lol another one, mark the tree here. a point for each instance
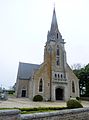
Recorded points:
(77, 66)
(83, 76)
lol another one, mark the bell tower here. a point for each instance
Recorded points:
(54, 49)
(55, 55)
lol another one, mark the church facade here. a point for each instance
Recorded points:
(53, 79)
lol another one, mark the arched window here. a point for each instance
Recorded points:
(40, 85)
(61, 76)
(73, 87)
(58, 76)
(55, 75)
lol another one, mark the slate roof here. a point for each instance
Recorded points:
(26, 70)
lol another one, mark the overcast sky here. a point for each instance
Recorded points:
(23, 32)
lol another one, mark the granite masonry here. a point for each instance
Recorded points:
(10, 115)
(71, 114)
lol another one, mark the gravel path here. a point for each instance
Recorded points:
(25, 102)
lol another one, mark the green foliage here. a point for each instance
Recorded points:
(74, 104)
(40, 109)
(83, 76)
(11, 92)
(77, 98)
(35, 110)
(37, 98)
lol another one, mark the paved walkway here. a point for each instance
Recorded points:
(25, 102)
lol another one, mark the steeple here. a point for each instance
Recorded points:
(54, 25)
(54, 34)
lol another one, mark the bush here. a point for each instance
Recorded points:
(77, 98)
(74, 104)
(37, 98)
(11, 92)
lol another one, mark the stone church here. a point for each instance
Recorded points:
(53, 79)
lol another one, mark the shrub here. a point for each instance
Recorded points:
(74, 104)
(37, 98)
(11, 92)
(77, 98)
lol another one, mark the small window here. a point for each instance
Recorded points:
(58, 76)
(40, 85)
(73, 87)
(55, 75)
(61, 76)
(57, 35)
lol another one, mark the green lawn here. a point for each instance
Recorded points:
(36, 110)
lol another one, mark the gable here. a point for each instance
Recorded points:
(71, 73)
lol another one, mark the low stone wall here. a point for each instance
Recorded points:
(85, 98)
(10, 115)
(72, 114)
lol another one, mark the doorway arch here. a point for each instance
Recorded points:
(59, 92)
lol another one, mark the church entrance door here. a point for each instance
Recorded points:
(23, 93)
(59, 94)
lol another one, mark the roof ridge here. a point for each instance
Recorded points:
(28, 63)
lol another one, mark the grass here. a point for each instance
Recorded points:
(36, 110)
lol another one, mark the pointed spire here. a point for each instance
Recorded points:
(54, 25)
(54, 34)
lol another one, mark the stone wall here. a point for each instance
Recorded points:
(22, 85)
(10, 115)
(85, 98)
(72, 114)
